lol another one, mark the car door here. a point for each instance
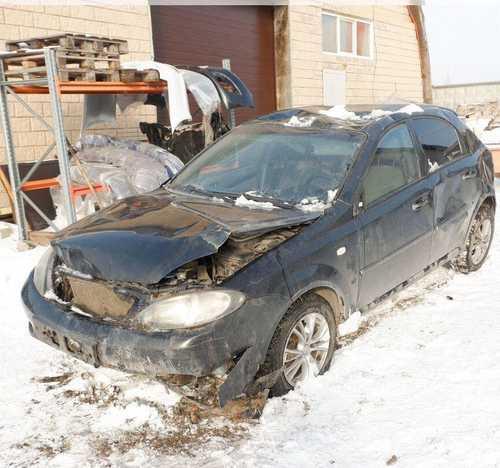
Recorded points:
(396, 217)
(458, 183)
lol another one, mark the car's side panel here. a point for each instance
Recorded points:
(456, 196)
(456, 192)
(325, 254)
(397, 237)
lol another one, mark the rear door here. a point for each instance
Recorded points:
(455, 169)
(397, 216)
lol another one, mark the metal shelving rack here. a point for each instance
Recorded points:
(10, 88)
(55, 88)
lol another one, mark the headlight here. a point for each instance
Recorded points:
(43, 272)
(190, 309)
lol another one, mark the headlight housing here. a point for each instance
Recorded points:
(190, 309)
(42, 277)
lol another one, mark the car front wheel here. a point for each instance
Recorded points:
(303, 343)
(478, 242)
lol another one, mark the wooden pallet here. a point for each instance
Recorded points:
(66, 57)
(82, 42)
(79, 58)
(133, 76)
(85, 74)
(65, 74)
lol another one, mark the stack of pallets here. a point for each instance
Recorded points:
(79, 58)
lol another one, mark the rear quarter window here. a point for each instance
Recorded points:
(439, 141)
(472, 140)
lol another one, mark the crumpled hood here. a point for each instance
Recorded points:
(142, 239)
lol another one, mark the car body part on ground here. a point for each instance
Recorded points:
(254, 219)
(123, 167)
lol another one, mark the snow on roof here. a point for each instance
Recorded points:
(340, 112)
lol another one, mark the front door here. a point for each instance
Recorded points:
(396, 220)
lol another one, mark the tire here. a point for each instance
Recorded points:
(302, 310)
(478, 241)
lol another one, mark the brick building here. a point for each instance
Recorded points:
(288, 56)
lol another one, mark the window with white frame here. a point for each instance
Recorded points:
(346, 36)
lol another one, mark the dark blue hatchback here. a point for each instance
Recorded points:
(241, 268)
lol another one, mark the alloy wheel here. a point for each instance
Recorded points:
(306, 348)
(480, 240)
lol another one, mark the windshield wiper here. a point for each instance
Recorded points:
(194, 189)
(190, 188)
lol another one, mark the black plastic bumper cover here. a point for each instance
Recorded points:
(193, 352)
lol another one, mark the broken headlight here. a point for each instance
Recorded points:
(190, 309)
(42, 277)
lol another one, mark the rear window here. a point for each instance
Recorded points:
(439, 141)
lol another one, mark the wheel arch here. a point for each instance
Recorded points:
(330, 294)
(488, 199)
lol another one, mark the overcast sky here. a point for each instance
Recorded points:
(464, 40)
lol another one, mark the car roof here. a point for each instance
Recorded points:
(366, 115)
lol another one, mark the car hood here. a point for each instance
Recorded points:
(142, 239)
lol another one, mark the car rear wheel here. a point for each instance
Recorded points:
(478, 242)
(303, 344)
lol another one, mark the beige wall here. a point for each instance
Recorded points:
(16, 22)
(393, 71)
(464, 95)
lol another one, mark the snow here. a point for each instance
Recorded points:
(313, 204)
(351, 325)
(488, 137)
(417, 383)
(300, 121)
(410, 109)
(491, 137)
(340, 112)
(253, 204)
(433, 166)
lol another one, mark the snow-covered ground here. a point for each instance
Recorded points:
(420, 388)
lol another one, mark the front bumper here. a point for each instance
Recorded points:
(196, 352)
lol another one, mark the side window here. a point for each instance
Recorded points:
(439, 140)
(394, 165)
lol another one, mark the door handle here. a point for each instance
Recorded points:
(469, 174)
(421, 201)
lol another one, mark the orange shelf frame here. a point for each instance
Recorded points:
(76, 190)
(96, 87)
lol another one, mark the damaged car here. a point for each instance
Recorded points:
(243, 265)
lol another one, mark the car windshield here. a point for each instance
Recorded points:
(273, 161)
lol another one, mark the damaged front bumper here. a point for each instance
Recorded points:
(197, 352)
